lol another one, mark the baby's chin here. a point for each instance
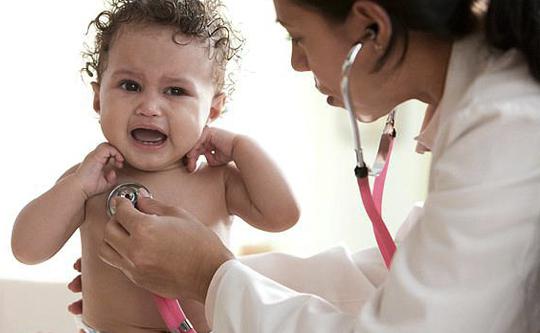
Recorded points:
(154, 166)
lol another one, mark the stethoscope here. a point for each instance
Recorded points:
(372, 200)
(170, 309)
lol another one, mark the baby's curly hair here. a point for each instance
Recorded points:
(200, 19)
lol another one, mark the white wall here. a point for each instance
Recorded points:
(48, 125)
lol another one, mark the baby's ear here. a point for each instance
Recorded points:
(96, 103)
(218, 103)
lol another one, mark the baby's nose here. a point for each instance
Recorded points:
(149, 110)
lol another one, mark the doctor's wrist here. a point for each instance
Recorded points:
(208, 268)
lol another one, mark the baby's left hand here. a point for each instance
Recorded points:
(216, 144)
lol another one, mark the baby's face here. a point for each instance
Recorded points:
(155, 96)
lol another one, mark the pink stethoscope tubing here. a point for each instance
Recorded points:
(173, 315)
(373, 207)
(372, 200)
(170, 310)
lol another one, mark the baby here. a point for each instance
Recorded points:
(160, 72)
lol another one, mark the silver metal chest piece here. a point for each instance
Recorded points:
(130, 191)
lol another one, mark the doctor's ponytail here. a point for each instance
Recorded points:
(516, 24)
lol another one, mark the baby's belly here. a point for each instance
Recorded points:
(111, 302)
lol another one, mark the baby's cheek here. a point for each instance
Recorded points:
(186, 139)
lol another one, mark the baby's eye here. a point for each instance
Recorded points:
(129, 85)
(175, 91)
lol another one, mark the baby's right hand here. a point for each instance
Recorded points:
(93, 174)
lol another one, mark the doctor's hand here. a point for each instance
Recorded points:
(162, 249)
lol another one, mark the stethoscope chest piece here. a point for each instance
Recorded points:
(130, 191)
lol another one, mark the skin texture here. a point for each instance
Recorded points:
(153, 83)
(320, 46)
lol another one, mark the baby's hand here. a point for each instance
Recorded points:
(96, 173)
(217, 145)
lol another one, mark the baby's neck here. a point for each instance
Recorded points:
(174, 170)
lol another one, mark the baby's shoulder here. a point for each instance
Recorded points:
(212, 173)
(68, 172)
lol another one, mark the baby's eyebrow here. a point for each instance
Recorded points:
(177, 79)
(183, 81)
(127, 72)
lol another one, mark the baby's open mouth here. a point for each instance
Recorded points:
(148, 136)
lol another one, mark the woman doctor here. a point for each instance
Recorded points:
(470, 261)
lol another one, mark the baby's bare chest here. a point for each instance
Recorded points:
(203, 197)
(106, 288)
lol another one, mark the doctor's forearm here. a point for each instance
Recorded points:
(47, 222)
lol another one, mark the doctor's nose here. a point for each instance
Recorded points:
(299, 60)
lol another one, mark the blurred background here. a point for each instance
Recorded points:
(49, 126)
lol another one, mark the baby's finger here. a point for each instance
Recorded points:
(119, 158)
(76, 307)
(196, 151)
(77, 265)
(119, 164)
(192, 157)
(199, 146)
(192, 164)
(76, 284)
(111, 177)
(116, 156)
(211, 158)
(111, 152)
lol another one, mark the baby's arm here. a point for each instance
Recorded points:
(47, 222)
(255, 189)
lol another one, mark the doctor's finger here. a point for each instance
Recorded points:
(154, 207)
(116, 236)
(125, 214)
(108, 255)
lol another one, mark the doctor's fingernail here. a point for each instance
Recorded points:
(112, 207)
(144, 193)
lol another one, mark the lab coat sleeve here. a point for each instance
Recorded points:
(355, 277)
(463, 267)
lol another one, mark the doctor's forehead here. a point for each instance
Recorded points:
(288, 13)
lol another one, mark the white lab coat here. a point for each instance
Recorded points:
(464, 265)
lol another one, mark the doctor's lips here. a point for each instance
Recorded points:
(331, 99)
(150, 136)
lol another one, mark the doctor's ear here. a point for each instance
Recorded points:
(368, 22)
(218, 103)
(96, 103)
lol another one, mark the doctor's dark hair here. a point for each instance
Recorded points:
(202, 20)
(507, 23)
